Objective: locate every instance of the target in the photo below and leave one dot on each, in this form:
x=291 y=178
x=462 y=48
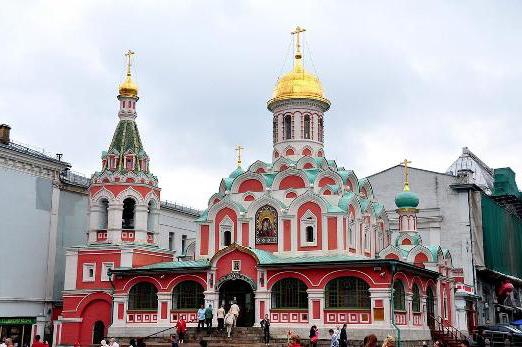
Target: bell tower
x=124 y=197
x=298 y=105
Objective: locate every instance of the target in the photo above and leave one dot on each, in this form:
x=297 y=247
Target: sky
x=407 y=79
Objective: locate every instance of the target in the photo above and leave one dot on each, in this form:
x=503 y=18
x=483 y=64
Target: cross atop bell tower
x=405 y=163
x=297 y=32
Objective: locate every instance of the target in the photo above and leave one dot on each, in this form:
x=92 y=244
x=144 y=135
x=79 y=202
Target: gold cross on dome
x=297 y=32
x=405 y=163
x=238 y=150
x=129 y=55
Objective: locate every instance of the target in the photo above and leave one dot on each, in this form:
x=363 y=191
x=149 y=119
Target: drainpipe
x=393 y=268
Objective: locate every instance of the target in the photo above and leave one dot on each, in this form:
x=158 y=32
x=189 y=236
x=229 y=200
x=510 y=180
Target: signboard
x=17 y=320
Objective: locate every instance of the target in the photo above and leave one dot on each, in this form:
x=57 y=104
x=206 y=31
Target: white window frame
x=105 y=267
x=445 y=304
x=85 y=274
x=367 y=242
x=352 y=233
x=307 y=220
x=226 y=224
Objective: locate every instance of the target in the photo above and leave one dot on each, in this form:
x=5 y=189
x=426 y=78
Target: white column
x=409 y=312
x=117 y=300
x=211 y=239
x=115 y=212
x=261 y=296
x=293 y=232
x=212 y=298
x=164 y=298
x=424 y=315
x=384 y=295
x=51 y=250
x=315 y=295
x=461 y=318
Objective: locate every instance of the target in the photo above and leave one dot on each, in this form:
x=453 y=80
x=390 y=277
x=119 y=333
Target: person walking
x=389 y=341
x=37 y=342
x=229 y=322
x=209 y=315
x=113 y=342
x=174 y=340
x=370 y=341
x=314 y=336
x=181 y=328
x=265 y=326
x=334 y=338
x=343 y=337
x=201 y=317
x=234 y=308
x=221 y=318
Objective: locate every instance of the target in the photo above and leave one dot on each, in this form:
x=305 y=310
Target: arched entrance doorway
x=242 y=292
x=98 y=332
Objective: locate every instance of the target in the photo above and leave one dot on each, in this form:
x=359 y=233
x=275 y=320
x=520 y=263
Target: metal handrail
x=447 y=329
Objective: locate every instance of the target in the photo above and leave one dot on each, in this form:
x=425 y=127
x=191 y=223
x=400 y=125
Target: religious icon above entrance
x=266 y=225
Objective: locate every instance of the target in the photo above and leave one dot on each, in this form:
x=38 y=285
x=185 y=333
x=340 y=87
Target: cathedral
x=300 y=238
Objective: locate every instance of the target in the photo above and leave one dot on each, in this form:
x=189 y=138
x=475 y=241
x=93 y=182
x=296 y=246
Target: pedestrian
x=334 y=338
x=295 y=341
x=181 y=328
x=265 y=326
x=343 y=337
x=438 y=343
x=370 y=341
x=114 y=343
x=229 y=322
x=221 y=318
x=9 y=342
x=234 y=308
x=209 y=315
x=174 y=340
x=389 y=341
x=314 y=336
x=201 y=317
x=103 y=343
x=2 y=342
x=140 y=342
x=37 y=342
x=464 y=343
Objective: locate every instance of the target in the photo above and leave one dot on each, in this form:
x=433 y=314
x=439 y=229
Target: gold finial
x=405 y=163
x=129 y=55
x=297 y=32
x=238 y=150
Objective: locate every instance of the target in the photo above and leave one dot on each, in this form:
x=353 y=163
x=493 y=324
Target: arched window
x=104 y=214
x=399 y=297
x=415 y=302
x=306 y=133
x=289 y=293
x=187 y=295
x=276 y=134
x=347 y=292
x=127 y=219
x=143 y=296
x=225 y=232
x=310 y=234
x=151 y=216
x=320 y=130
x=288 y=127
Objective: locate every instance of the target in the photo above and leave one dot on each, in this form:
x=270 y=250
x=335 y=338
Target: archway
x=98 y=332
x=242 y=293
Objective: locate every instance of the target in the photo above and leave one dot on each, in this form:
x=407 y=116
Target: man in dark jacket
x=343 y=337
x=208 y=318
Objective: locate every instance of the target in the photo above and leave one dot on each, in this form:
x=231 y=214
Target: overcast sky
x=415 y=79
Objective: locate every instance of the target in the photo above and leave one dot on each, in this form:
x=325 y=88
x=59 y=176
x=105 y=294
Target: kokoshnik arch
x=300 y=238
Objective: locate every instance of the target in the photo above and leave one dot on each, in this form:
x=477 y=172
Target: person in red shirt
x=37 y=342
x=181 y=328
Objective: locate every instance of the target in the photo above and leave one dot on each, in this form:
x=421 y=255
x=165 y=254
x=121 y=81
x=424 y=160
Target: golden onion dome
x=128 y=87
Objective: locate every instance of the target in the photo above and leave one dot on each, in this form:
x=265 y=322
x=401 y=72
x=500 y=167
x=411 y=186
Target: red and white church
x=299 y=238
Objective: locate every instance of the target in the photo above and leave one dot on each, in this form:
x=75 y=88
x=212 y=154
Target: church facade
x=299 y=238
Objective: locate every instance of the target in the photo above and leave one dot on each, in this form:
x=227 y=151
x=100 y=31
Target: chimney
x=4 y=133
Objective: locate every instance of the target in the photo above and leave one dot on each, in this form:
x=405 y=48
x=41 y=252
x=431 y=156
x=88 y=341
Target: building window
x=347 y=292
x=225 y=232
x=367 y=237
x=129 y=163
x=321 y=129
x=89 y=272
x=289 y=293
x=351 y=233
x=105 y=271
x=275 y=130
x=306 y=132
x=143 y=296
x=445 y=304
x=399 y=296
x=308 y=229
x=171 y=241
x=104 y=214
x=184 y=244
x=416 y=303
x=127 y=221
x=151 y=216
x=287 y=127
x=187 y=295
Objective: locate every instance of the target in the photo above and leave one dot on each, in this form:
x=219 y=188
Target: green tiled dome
x=407 y=199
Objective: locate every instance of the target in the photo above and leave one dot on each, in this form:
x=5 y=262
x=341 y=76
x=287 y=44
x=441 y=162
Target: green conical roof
x=127 y=139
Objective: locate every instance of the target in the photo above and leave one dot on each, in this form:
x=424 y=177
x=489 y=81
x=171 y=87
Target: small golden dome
x=128 y=87
x=298 y=84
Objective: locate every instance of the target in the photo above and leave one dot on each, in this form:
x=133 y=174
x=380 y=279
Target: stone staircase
x=445 y=333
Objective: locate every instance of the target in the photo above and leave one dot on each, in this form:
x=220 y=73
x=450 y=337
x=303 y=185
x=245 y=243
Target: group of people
x=228 y=319
x=8 y=342
x=339 y=338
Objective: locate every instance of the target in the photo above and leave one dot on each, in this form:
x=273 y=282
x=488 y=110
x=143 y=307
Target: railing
x=446 y=329
x=179 y=207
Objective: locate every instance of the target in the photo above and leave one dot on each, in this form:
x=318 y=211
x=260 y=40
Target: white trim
x=105 y=268
x=308 y=220
x=226 y=225
x=85 y=273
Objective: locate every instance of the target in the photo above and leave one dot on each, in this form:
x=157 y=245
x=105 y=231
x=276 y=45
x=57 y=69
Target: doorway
x=430 y=308
x=98 y=332
x=242 y=293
